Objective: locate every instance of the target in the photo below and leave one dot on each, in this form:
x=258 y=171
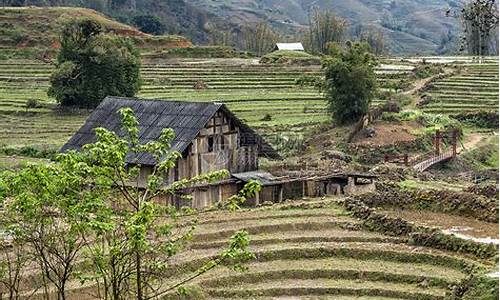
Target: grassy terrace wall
x=475 y=88
x=315 y=253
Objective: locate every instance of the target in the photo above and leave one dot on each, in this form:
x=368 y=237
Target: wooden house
x=210 y=138
x=208 y=135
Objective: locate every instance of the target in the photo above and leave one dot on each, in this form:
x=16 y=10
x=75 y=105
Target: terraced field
x=333 y=258
x=249 y=89
x=474 y=88
x=319 y=253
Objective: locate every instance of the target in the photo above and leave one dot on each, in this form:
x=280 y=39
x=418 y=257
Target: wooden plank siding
x=217 y=147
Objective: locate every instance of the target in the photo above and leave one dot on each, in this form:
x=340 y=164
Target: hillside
x=39 y=27
x=250 y=90
x=410 y=27
x=265 y=96
x=310 y=250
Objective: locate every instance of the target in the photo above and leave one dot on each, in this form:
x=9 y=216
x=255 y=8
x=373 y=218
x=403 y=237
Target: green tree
x=92 y=65
x=46 y=207
x=149 y=24
x=350 y=82
x=85 y=207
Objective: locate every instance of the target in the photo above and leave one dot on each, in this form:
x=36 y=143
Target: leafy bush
x=287 y=144
x=91 y=66
x=482 y=119
x=31 y=103
x=149 y=24
x=402 y=99
x=267 y=118
x=427 y=70
x=481 y=288
x=431 y=121
x=310 y=80
x=391 y=106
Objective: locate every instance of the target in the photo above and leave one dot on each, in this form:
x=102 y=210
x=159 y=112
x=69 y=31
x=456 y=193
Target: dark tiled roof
x=185 y=118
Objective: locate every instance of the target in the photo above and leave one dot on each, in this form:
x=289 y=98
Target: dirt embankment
x=385 y=133
x=460 y=203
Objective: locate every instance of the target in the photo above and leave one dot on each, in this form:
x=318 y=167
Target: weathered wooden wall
x=217 y=147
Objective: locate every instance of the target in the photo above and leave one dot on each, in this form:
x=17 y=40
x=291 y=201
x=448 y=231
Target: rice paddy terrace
x=251 y=90
x=311 y=253
x=319 y=254
x=474 y=88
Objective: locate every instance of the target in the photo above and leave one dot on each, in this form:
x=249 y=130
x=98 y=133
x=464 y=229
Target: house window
x=210 y=144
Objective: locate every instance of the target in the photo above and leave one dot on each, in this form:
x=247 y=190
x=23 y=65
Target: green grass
x=12 y=162
x=485 y=155
x=313 y=252
x=435 y=185
x=475 y=88
x=482 y=288
x=492 y=161
x=288 y=54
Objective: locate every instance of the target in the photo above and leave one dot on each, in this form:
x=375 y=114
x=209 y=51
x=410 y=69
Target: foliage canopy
x=350 y=81
x=88 y=207
x=149 y=24
x=92 y=65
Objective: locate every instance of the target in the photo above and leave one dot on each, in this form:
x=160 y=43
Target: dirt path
x=472 y=141
x=423 y=83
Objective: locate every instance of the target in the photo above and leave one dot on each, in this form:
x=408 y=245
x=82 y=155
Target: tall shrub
x=92 y=65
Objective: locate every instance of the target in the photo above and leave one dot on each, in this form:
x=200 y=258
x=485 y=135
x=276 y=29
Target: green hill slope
x=308 y=254
x=25 y=27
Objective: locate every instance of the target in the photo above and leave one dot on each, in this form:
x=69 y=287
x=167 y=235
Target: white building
x=289 y=46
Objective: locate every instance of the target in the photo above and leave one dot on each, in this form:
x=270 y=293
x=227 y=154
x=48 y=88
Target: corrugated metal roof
x=265 y=178
x=262 y=177
x=185 y=118
x=290 y=46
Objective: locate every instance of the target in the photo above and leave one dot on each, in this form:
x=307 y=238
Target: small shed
x=289 y=46
x=341 y=184
x=273 y=188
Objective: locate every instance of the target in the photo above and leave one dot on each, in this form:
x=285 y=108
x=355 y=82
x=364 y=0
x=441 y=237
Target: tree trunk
x=138 y=279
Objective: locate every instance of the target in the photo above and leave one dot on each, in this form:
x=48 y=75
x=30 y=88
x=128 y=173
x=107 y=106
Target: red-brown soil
x=387 y=134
